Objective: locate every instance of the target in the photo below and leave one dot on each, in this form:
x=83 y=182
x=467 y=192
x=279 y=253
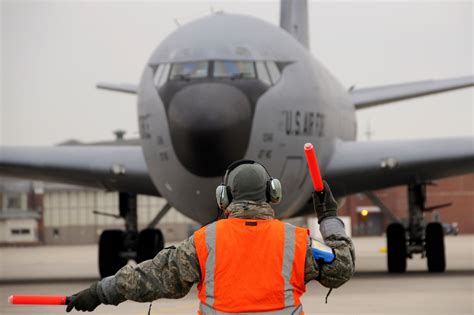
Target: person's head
x=247 y=180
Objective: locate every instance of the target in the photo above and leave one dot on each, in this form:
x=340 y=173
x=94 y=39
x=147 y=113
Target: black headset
x=224 y=194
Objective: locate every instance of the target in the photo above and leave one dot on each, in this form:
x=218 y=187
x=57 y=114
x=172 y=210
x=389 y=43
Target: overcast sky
x=53 y=53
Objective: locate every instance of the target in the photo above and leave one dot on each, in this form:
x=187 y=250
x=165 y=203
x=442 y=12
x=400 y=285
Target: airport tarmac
x=61 y=270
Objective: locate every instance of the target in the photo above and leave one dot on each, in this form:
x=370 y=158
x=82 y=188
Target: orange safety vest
x=251 y=267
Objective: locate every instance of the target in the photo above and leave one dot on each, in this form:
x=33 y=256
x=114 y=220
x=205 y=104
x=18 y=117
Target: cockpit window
x=189 y=70
x=234 y=69
x=161 y=74
x=263 y=73
x=274 y=71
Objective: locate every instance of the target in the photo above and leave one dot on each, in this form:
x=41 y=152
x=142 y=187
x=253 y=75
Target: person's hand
x=324 y=203
x=85 y=300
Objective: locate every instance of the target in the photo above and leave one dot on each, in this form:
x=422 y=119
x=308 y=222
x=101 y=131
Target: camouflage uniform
x=173 y=271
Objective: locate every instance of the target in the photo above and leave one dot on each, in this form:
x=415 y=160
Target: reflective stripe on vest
x=251 y=266
x=288 y=254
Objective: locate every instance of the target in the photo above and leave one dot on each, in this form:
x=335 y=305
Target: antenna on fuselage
x=184 y=19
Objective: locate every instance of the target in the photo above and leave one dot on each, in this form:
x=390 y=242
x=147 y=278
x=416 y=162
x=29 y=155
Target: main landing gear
x=116 y=247
x=418 y=237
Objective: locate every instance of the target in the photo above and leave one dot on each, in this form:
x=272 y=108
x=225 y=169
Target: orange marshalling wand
x=313 y=167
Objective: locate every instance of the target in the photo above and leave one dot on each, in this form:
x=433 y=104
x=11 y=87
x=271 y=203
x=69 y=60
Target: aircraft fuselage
x=229 y=87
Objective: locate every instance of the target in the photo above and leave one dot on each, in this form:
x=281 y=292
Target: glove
x=85 y=300
x=324 y=203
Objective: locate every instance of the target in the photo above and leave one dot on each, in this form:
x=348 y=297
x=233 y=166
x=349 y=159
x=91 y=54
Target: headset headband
x=236 y=164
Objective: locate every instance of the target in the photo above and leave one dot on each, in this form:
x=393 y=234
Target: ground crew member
x=247 y=263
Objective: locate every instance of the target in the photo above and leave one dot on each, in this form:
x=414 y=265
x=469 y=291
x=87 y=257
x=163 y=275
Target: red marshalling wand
x=313 y=167
x=39 y=300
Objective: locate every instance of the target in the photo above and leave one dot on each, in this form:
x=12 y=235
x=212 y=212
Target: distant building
x=20 y=212
x=69 y=215
x=33 y=212
x=48 y=213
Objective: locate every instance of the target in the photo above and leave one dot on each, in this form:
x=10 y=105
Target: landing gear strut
x=116 y=247
x=418 y=237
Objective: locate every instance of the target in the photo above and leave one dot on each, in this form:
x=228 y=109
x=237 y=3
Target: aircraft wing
x=368 y=97
x=117 y=168
x=363 y=166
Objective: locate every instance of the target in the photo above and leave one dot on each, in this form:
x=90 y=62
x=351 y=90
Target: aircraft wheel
x=434 y=246
x=150 y=242
x=396 y=248
x=110 y=246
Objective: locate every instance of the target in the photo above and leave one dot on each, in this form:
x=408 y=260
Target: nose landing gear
x=418 y=237
x=117 y=247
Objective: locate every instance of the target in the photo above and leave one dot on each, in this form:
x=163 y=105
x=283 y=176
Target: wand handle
x=39 y=300
x=313 y=167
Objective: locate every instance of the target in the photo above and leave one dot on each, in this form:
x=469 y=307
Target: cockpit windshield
x=189 y=70
x=268 y=72
x=234 y=69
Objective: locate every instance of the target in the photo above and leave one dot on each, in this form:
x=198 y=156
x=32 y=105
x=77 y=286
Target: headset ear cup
x=229 y=195
x=222 y=197
x=274 y=191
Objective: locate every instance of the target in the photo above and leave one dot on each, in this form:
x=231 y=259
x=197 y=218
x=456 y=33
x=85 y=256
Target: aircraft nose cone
x=210 y=127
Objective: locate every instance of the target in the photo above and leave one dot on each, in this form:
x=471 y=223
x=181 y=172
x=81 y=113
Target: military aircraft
x=228 y=87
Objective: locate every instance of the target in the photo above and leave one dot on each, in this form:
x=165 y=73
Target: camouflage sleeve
x=338 y=272
x=171 y=274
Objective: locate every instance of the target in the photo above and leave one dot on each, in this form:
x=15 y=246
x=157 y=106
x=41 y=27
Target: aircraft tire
x=150 y=242
x=396 y=248
x=434 y=246
x=110 y=246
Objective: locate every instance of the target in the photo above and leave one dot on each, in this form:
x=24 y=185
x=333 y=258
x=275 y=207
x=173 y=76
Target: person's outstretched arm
x=171 y=274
